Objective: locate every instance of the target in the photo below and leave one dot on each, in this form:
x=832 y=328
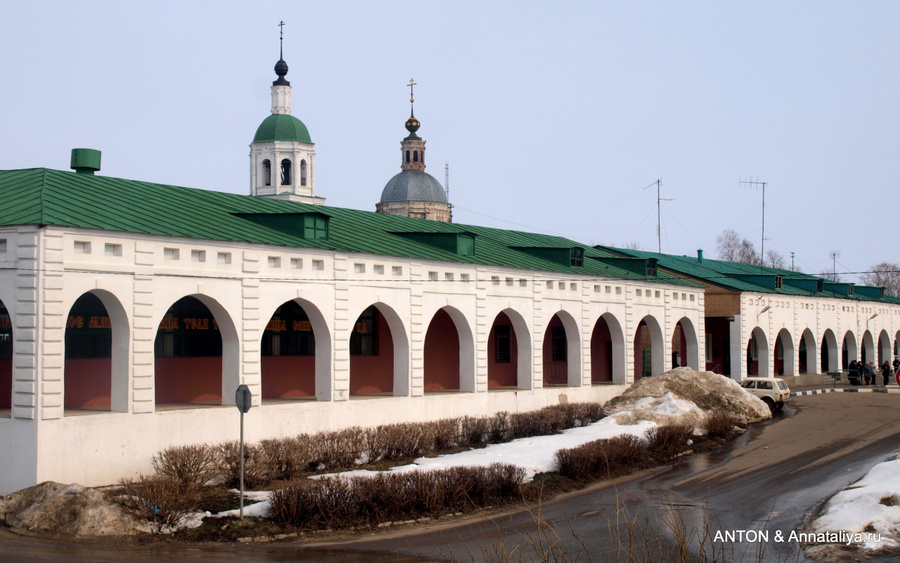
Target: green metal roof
x=42 y=196
x=281 y=127
x=740 y=277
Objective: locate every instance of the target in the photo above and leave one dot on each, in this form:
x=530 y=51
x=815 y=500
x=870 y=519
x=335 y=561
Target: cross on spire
x=281 y=38
x=411 y=84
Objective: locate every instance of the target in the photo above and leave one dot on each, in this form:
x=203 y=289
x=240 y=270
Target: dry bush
x=333 y=502
x=667 y=442
x=195 y=465
x=721 y=425
x=255 y=473
x=337 y=449
x=162 y=499
x=475 y=432
x=283 y=459
x=604 y=459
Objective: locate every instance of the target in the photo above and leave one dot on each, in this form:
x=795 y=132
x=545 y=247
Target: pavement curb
x=851 y=390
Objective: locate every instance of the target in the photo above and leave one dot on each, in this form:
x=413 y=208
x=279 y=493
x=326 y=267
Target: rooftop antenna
x=658 y=183
x=762 y=244
x=834 y=254
x=447 y=178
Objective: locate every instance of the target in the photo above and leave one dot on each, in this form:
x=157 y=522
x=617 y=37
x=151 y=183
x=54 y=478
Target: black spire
x=281 y=67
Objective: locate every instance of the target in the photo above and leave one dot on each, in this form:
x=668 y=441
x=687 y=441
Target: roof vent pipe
x=699 y=255
x=85 y=161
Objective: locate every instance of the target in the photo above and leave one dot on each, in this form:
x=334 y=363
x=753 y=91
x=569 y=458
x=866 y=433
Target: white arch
x=402 y=383
x=573 y=346
x=850 y=344
x=466 y=348
x=657 y=346
x=617 y=336
x=691 y=342
x=524 y=355
x=120 y=353
x=884 y=347
x=763 y=368
x=812 y=352
x=789 y=358
x=829 y=339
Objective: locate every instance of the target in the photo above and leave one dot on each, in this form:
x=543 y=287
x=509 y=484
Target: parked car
x=773 y=391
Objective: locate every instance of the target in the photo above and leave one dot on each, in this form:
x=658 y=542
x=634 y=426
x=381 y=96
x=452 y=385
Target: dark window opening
x=302 y=172
x=289 y=333
x=576 y=257
x=285 y=172
x=558 y=344
x=267 y=172
x=415 y=156
x=6 y=341
x=363 y=339
x=502 y=350
x=315 y=227
x=88 y=329
x=407 y=156
x=188 y=331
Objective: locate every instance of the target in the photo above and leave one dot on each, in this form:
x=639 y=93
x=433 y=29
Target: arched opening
x=829 y=352
x=868 y=348
x=848 y=350
x=267 y=172
x=441 y=354
x=556 y=353
x=648 y=349
x=188 y=355
x=407 y=156
x=758 y=354
x=6 y=362
x=884 y=348
x=88 y=367
x=415 y=156
x=685 y=347
x=602 y=353
x=784 y=353
x=286 y=172
x=302 y=172
x=371 y=355
x=288 y=355
x=503 y=354
x=806 y=356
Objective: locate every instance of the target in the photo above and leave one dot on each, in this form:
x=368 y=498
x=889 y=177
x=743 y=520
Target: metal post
x=242 y=466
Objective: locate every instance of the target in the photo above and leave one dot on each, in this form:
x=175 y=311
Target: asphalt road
x=772 y=479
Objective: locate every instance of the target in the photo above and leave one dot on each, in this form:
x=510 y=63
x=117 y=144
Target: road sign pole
x=242 y=465
x=243 y=399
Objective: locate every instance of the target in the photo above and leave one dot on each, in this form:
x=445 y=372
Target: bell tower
x=282 y=155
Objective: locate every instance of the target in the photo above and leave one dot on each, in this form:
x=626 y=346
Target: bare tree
x=733 y=248
x=886 y=274
x=774 y=259
x=829 y=275
x=633 y=245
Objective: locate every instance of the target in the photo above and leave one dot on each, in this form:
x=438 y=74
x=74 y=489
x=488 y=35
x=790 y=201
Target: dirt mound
x=67 y=510
x=710 y=392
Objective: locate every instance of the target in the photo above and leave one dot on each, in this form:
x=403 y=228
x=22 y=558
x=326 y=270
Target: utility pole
x=658 y=183
x=762 y=244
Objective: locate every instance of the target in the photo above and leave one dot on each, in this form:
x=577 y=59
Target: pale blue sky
x=553 y=116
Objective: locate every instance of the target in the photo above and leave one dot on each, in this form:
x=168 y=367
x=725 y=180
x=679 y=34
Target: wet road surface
x=770 y=479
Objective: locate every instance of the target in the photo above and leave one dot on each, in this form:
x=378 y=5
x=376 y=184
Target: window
x=198 y=256
x=267 y=172
x=285 y=172
x=296 y=263
x=82 y=247
x=224 y=258
x=379 y=269
x=274 y=262
x=638 y=292
x=464 y=278
x=315 y=227
x=407 y=156
x=558 y=337
x=318 y=264
x=778 y=281
x=397 y=270
x=3 y=245
x=495 y=280
x=363 y=339
x=502 y=348
x=448 y=276
x=112 y=249
x=576 y=257
x=302 y=172
x=523 y=283
x=432 y=276
x=510 y=282
x=359 y=268
x=170 y=253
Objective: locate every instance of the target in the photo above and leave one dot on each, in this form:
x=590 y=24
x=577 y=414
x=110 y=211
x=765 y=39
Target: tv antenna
x=762 y=245
x=834 y=255
x=658 y=184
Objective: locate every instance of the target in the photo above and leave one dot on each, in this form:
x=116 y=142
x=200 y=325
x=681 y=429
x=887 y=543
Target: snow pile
x=870 y=507
x=706 y=391
x=73 y=509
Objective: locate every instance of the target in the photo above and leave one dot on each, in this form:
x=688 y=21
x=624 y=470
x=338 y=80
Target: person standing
x=853 y=373
x=885 y=372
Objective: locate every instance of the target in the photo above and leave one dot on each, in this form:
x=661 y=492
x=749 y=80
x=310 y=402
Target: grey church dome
x=413 y=185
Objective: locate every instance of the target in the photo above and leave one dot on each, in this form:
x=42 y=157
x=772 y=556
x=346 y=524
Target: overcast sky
x=554 y=117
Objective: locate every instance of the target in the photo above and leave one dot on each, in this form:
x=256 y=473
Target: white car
x=773 y=391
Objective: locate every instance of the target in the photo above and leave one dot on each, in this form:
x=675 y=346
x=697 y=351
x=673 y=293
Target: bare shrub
x=333 y=502
x=283 y=459
x=162 y=499
x=721 y=425
x=667 y=442
x=255 y=474
x=196 y=464
x=604 y=459
x=475 y=431
x=338 y=449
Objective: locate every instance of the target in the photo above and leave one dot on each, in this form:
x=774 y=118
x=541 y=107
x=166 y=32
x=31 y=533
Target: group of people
x=865 y=373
